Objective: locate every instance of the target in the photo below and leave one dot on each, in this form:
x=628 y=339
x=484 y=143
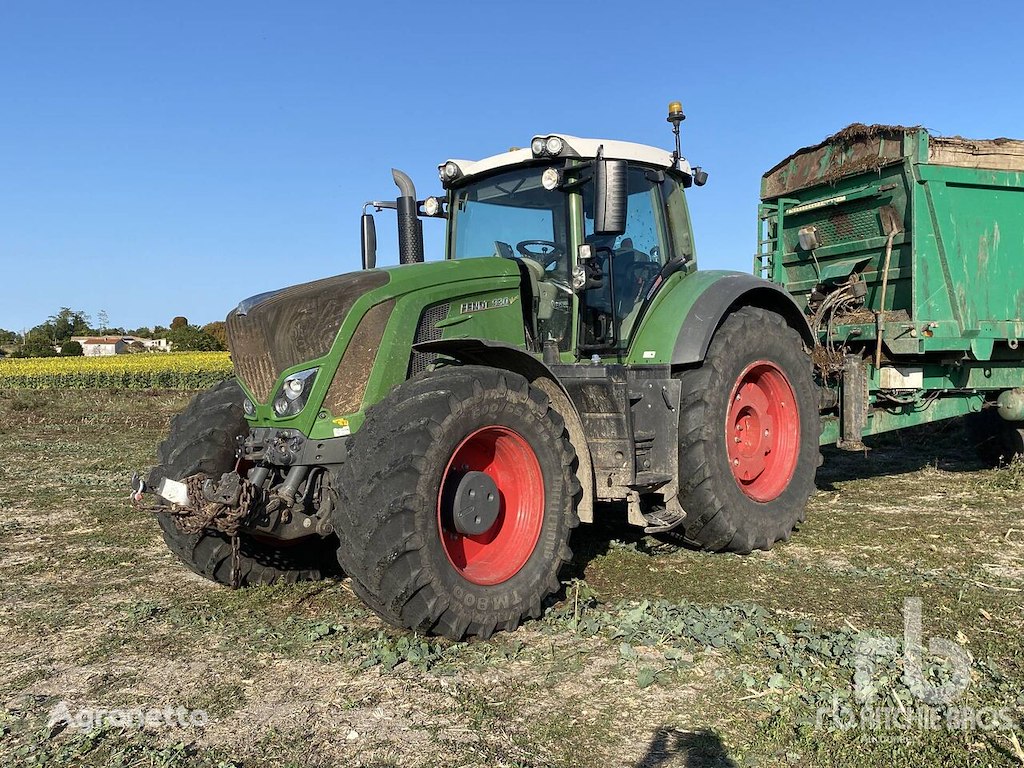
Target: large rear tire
x=748 y=435
x=457 y=503
x=202 y=439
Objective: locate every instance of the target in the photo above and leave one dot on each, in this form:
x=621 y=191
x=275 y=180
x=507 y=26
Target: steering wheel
x=545 y=257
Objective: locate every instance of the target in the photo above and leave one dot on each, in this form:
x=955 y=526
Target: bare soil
x=652 y=656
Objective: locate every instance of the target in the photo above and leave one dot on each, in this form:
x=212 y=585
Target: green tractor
x=439 y=429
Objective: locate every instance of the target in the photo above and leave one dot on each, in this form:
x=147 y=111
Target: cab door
x=623 y=268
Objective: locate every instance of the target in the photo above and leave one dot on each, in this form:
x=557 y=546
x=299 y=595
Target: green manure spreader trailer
x=436 y=430
x=905 y=252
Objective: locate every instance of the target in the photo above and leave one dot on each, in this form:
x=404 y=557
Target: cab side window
x=628 y=264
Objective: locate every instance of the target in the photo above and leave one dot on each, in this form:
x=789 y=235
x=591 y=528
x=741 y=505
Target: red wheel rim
x=497 y=554
x=762 y=431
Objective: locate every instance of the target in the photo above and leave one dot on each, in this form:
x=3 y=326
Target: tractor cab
x=597 y=226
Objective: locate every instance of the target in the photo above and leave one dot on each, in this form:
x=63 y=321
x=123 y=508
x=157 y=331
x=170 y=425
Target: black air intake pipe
x=410 y=228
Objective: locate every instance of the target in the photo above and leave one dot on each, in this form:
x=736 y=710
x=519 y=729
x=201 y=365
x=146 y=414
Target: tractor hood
x=271 y=332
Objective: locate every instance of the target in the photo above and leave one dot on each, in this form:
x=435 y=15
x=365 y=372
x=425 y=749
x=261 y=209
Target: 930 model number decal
x=480 y=306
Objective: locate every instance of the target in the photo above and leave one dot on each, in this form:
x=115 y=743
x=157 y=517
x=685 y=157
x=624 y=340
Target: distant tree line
x=44 y=339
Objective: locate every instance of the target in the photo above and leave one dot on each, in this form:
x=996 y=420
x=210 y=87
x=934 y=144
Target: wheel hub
x=752 y=432
x=762 y=431
x=476 y=504
x=490 y=505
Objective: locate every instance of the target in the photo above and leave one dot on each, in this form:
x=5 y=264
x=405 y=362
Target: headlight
x=294 y=392
x=551 y=179
x=448 y=172
x=549 y=146
x=249 y=407
x=431 y=206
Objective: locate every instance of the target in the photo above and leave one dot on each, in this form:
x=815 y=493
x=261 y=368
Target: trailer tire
x=420 y=450
x=748 y=435
x=202 y=439
x=996 y=440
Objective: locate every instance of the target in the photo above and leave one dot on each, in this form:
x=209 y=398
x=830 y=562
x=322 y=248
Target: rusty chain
x=201 y=514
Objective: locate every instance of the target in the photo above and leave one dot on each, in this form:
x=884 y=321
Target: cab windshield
x=511 y=215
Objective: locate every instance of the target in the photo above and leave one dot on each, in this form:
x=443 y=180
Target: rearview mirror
x=610 y=197
x=369 y=240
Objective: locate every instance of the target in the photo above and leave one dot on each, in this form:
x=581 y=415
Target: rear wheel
x=202 y=439
x=457 y=502
x=748 y=435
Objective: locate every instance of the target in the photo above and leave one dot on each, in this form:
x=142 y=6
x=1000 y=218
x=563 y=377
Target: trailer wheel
x=202 y=439
x=457 y=502
x=748 y=435
x=996 y=440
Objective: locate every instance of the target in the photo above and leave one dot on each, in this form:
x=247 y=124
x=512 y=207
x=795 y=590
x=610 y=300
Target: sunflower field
x=165 y=370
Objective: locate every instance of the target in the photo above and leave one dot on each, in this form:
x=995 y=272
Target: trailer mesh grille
x=839 y=226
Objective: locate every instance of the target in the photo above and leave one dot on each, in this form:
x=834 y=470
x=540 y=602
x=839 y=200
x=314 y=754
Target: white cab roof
x=576 y=147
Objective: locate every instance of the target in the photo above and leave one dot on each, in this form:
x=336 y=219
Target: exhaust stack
x=410 y=228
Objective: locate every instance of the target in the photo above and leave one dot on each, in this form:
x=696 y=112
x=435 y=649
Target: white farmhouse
x=95 y=346
x=155 y=345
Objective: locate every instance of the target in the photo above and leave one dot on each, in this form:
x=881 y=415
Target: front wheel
x=748 y=435
x=457 y=502
x=202 y=439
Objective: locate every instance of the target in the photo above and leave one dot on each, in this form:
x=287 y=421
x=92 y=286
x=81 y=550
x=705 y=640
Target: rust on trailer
x=854 y=149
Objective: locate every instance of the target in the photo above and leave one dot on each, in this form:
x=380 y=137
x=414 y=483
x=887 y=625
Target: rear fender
x=681 y=322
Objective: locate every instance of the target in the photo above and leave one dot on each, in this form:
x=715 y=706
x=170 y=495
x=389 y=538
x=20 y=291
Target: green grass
x=652 y=656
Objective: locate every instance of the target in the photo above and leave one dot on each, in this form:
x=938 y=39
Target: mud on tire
x=399 y=542
x=202 y=439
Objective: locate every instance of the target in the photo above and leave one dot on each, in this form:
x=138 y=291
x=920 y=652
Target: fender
x=683 y=318
x=497 y=355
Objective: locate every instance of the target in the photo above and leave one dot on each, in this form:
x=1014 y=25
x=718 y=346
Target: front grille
x=297 y=324
x=427 y=330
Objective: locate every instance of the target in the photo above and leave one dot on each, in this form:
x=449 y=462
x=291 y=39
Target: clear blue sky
x=172 y=158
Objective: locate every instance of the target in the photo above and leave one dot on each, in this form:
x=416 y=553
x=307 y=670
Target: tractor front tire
x=457 y=502
x=202 y=439
x=748 y=435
